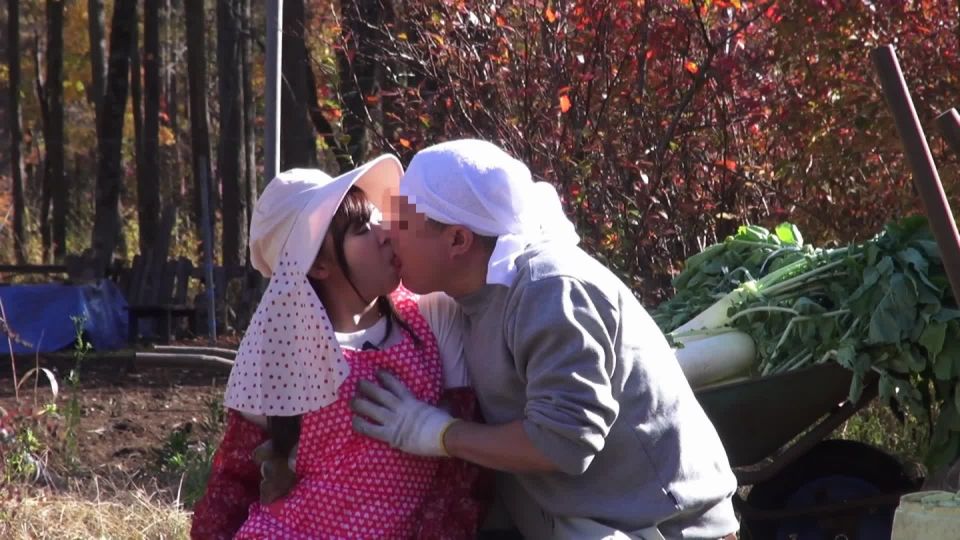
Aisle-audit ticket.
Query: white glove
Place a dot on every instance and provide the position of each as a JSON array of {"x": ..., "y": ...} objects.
[{"x": 399, "y": 418}]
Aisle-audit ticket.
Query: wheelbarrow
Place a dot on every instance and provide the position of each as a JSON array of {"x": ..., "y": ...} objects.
[{"x": 802, "y": 485}]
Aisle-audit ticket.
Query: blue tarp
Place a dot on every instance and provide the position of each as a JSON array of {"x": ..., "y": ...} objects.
[{"x": 35, "y": 311}]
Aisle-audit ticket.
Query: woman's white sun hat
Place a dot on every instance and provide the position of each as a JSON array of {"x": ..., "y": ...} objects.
[{"x": 289, "y": 362}]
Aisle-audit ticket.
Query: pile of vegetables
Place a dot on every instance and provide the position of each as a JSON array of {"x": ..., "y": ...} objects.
[{"x": 762, "y": 303}]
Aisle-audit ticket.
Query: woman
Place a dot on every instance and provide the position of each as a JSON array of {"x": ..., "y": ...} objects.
[{"x": 332, "y": 315}]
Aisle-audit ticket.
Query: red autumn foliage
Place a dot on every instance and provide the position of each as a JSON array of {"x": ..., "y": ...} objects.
[{"x": 678, "y": 121}]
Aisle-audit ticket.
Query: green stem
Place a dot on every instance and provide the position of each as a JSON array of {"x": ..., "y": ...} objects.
[
  {"x": 792, "y": 286},
  {"x": 794, "y": 362},
  {"x": 801, "y": 318},
  {"x": 704, "y": 332},
  {"x": 762, "y": 309},
  {"x": 751, "y": 243},
  {"x": 771, "y": 283}
]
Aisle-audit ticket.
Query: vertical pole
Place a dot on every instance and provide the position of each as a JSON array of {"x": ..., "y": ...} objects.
[
  {"x": 207, "y": 251},
  {"x": 925, "y": 174},
  {"x": 273, "y": 75}
]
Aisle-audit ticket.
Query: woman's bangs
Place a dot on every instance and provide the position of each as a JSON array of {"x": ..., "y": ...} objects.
[{"x": 354, "y": 211}]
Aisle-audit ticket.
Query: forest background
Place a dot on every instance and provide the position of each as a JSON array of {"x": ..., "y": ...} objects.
[{"x": 664, "y": 125}]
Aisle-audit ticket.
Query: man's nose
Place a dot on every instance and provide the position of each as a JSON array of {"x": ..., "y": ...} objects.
[{"x": 389, "y": 229}]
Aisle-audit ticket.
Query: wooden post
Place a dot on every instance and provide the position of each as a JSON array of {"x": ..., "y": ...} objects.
[
  {"x": 207, "y": 251},
  {"x": 921, "y": 161}
]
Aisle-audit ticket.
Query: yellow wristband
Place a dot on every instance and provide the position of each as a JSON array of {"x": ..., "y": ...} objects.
[{"x": 443, "y": 434}]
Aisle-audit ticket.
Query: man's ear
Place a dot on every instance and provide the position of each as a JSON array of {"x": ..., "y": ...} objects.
[{"x": 460, "y": 239}]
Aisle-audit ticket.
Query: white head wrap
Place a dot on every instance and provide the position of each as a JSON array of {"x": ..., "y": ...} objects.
[
  {"x": 289, "y": 361},
  {"x": 476, "y": 184}
]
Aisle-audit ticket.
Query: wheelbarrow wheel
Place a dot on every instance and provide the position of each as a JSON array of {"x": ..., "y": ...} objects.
[{"x": 832, "y": 473}]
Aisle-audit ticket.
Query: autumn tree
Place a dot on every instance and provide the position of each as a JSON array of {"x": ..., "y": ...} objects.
[
  {"x": 231, "y": 156},
  {"x": 665, "y": 125},
  {"x": 106, "y": 228},
  {"x": 148, "y": 182},
  {"x": 199, "y": 122},
  {"x": 298, "y": 146},
  {"x": 50, "y": 90},
  {"x": 13, "y": 108}
]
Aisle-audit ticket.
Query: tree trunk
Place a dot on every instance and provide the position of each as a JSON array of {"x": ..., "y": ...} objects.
[
  {"x": 360, "y": 73},
  {"x": 136, "y": 103},
  {"x": 96, "y": 28},
  {"x": 171, "y": 155},
  {"x": 199, "y": 130},
  {"x": 45, "y": 194},
  {"x": 298, "y": 146},
  {"x": 106, "y": 226},
  {"x": 230, "y": 154},
  {"x": 136, "y": 97},
  {"x": 148, "y": 187},
  {"x": 249, "y": 111},
  {"x": 53, "y": 137},
  {"x": 16, "y": 134}
]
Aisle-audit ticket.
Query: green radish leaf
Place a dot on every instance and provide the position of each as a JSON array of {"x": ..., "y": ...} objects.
[
  {"x": 788, "y": 233},
  {"x": 887, "y": 389},
  {"x": 947, "y": 314},
  {"x": 914, "y": 362},
  {"x": 883, "y": 324},
  {"x": 929, "y": 248},
  {"x": 885, "y": 266},
  {"x": 932, "y": 339},
  {"x": 846, "y": 355}
]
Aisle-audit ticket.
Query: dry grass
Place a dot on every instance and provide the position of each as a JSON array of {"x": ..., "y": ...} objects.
[{"x": 87, "y": 511}]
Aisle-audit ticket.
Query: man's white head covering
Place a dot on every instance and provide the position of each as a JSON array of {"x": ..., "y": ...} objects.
[
  {"x": 289, "y": 361},
  {"x": 476, "y": 184}
]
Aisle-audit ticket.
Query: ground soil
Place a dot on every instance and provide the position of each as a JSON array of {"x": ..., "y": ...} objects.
[{"x": 127, "y": 413}]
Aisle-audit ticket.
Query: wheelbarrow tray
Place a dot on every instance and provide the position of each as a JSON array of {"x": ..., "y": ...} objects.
[{"x": 758, "y": 416}]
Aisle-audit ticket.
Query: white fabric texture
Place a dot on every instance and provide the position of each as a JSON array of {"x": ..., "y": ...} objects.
[
  {"x": 476, "y": 184},
  {"x": 445, "y": 319},
  {"x": 374, "y": 335},
  {"x": 289, "y": 361}
]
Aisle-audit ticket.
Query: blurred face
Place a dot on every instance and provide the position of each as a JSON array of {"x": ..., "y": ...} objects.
[{"x": 421, "y": 254}]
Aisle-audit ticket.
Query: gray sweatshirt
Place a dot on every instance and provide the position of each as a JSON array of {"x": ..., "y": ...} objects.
[{"x": 570, "y": 351}]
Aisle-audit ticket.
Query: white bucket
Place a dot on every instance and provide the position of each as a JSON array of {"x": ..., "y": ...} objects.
[{"x": 927, "y": 515}]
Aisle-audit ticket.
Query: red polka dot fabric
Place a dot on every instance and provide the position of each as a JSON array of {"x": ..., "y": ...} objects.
[
  {"x": 289, "y": 361},
  {"x": 351, "y": 486},
  {"x": 233, "y": 484},
  {"x": 453, "y": 510}
]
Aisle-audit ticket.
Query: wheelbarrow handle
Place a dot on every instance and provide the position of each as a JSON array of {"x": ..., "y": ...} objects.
[{"x": 921, "y": 161}]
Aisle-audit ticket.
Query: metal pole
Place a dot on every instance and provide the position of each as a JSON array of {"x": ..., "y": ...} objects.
[
  {"x": 207, "y": 251},
  {"x": 271, "y": 164},
  {"x": 949, "y": 125},
  {"x": 921, "y": 161}
]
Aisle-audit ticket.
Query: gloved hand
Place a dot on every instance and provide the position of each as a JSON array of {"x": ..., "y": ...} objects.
[{"x": 399, "y": 418}]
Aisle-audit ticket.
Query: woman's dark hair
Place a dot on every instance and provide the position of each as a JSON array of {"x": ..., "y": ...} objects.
[{"x": 355, "y": 212}]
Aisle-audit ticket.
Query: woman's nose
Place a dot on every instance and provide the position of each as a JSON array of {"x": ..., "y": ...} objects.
[{"x": 381, "y": 233}]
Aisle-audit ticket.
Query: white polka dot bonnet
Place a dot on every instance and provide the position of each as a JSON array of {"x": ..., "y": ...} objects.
[
  {"x": 476, "y": 184},
  {"x": 289, "y": 361}
]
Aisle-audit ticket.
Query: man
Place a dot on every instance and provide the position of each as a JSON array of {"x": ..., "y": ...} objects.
[{"x": 588, "y": 414}]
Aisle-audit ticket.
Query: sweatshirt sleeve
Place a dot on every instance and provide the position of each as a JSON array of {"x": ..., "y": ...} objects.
[{"x": 561, "y": 332}]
